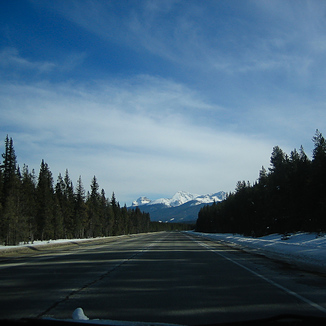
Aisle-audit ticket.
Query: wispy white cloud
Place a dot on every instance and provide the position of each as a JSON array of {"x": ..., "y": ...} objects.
[
  {"x": 278, "y": 37},
  {"x": 10, "y": 58},
  {"x": 260, "y": 41},
  {"x": 114, "y": 133},
  {"x": 234, "y": 82},
  {"x": 12, "y": 61}
]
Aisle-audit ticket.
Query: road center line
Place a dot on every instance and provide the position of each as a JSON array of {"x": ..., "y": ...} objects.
[
  {"x": 288, "y": 291},
  {"x": 103, "y": 275}
]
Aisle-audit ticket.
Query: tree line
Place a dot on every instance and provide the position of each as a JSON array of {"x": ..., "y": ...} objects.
[
  {"x": 35, "y": 208},
  {"x": 290, "y": 196}
]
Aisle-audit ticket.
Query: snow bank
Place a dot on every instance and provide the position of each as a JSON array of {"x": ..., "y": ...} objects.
[
  {"x": 305, "y": 250},
  {"x": 44, "y": 242},
  {"x": 30, "y": 247}
]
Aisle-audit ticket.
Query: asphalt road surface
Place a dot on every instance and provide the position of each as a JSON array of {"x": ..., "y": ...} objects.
[{"x": 164, "y": 277}]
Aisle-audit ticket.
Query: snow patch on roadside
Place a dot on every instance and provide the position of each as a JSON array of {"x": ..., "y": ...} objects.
[
  {"x": 45, "y": 242},
  {"x": 305, "y": 250}
]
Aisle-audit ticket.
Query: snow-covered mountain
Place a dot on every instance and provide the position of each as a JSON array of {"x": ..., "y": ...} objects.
[
  {"x": 180, "y": 198},
  {"x": 182, "y": 207},
  {"x": 141, "y": 201}
]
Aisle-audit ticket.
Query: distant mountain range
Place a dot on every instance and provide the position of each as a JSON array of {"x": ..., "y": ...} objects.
[{"x": 182, "y": 207}]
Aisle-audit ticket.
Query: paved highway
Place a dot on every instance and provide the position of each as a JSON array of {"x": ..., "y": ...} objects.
[{"x": 164, "y": 277}]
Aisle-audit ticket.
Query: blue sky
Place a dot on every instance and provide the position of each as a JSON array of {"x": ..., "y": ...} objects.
[{"x": 153, "y": 97}]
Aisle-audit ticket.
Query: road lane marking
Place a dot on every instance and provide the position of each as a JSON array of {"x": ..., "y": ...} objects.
[
  {"x": 281, "y": 287},
  {"x": 31, "y": 260},
  {"x": 135, "y": 254}
]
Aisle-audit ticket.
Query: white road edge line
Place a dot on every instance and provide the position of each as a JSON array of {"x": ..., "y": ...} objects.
[{"x": 298, "y": 296}]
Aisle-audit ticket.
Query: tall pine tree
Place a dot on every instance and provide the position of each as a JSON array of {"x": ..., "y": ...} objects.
[
  {"x": 319, "y": 179},
  {"x": 45, "y": 203},
  {"x": 9, "y": 167},
  {"x": 10, "y": 195},
  {"x": 28, "y": 202},
  {"x": 93, "y": 205}
]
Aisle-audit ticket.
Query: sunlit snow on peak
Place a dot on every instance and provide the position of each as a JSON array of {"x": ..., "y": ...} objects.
[{"x": 180, "y": 198}]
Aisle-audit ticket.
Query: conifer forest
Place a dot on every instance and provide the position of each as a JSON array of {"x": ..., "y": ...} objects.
[
  {"x": 290, "y": 196},
  {"x": 34, "y": 208}
]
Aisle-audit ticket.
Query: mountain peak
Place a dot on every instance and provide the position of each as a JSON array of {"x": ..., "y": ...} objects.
[
  {"x": 141, "y": 201},
  {"x": 182, "y": 207},
  {"x": 180, "y": 198}
]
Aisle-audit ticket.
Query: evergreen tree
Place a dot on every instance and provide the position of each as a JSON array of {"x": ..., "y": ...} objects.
[
  {"x": 58, "y": 220},
  {"x": 80, "y": 210},
  {"x": 69, "y": 206},
  {"x": 110, "y": 218},
  {"x": 28, "y": 202},
  {"x": 291, "y": 197},
  {"x": 45, "y": 203},
  {"x": 59, "y": 208},
  {"x": 65, "y": 211},
  {"x": 93, "y": 204},
  {"x": 106, "y": 215},
  {"x": 319, "y": 151},
  {"x": 124, "y": 220},
  {"x": 9, "y": 223},
  {"x": 116, "y": 215},
  {"x": 278, "y": 189},
  {"x": 10, "y": 195},
  {"x": 31, "y": 208},
  {"x": 319, "y": 180},
  {"x": 298, "y": 176},
  {"x": 8, "y": 168},
  {"x": 263, "y": 176}
]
